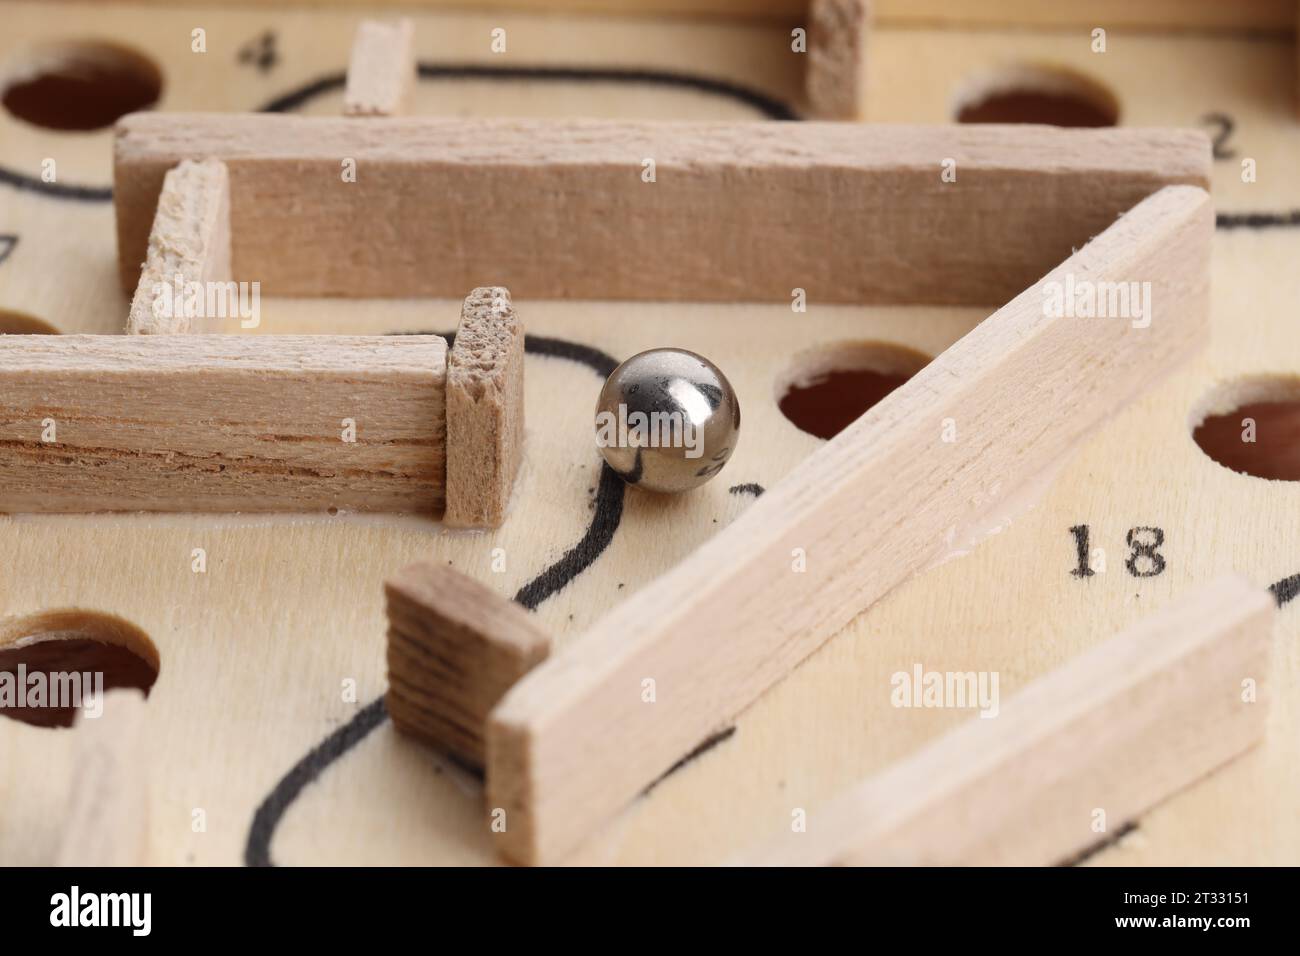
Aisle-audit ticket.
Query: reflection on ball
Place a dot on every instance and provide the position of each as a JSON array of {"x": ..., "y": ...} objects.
[{"x": 667, "y": 420}]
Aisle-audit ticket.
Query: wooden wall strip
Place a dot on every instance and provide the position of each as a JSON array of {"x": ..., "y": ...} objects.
[
  {"x": 221, "y": 423},
  {"x": 737, "y": 212},
  {"x": 1157, "y": 15}
]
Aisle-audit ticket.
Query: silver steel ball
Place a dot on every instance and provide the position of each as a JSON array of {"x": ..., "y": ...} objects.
[{"x": 667, "y": 420}]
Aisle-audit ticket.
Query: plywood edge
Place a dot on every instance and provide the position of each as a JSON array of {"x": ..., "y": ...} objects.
[
  {"x": 189, "y": 243},
  {"x": 214, "y": 423},
  {"x": 485, "y": 410}
]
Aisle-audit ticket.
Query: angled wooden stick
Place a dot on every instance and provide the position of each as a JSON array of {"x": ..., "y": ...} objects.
[
  {"x": 222, "y": 423},
  {"x": 846, "y": 212},
  {"x": 574, "y": 741},
  {"x": 189, "y": 242},
  {"x": 381, "y": 70},
  {"x": 1117, "y": 730}
]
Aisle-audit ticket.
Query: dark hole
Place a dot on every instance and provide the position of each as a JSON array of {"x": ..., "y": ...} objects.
[
  {"x": 83, "y": 86},
  {"x": 19, "y": 323},
  {"x": 827, "y": 404},
  {"x": 1275, "y": 452},
  {"x": 1029, "y": 106},
  {"x": 63, "y": 652}
]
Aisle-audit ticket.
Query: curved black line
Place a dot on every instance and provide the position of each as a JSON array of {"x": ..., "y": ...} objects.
[
  {"x": 769, "y": 106},
  {"x": 604, "y": 522},
  {"x": 1104, "y": 843},
  {"x": 8, "y": 243},
  {"x": 1257, "y": 220},
  {"x": 608, "y": 516},
  {"x": 304, "y": 94},
  {"x": 22, "y": 181},
  {"x": 257, "y": 851}
]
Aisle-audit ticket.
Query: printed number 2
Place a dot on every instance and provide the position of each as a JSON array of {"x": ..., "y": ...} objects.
[{"x": 1144, "y": 561}]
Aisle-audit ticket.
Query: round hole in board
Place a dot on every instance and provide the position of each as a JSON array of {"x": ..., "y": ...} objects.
[
  {"x": 57, "y": 664},
  {"x": 84, "y": 85},
  {"x": 1252, "y": 426},
  {"x": 20, "y": 323},
  {"x": 1050, "y": 96},
  {"x": 826, "y": 389}
]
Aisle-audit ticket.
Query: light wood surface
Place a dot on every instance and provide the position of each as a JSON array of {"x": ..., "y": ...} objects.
[
  {"x": 1162, "y": 15},
  {"x": 257, "y": 651},
  {"x": 1079, "y": 753},
  {"x": 106, "y": 821}
]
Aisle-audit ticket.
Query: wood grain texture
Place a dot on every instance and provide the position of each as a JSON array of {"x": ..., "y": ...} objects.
[
  {"x": 221, "y": 423},
  {"x": 381, "y": 70},
  {"x": 106, "y": 821},
  {"x": 837, "y": 54},
  {"x": 737, "y": 211},
  {"x": 188, "y": 242},
  {"x": 1117, "y": 730},
  {"x": 485, "y": 410},
  {"x": 574, "y": 742},
  {"x": 454, "y": 648}
]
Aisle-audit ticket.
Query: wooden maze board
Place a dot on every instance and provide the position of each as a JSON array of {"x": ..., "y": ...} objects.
[{"x": 248, "y": 721}]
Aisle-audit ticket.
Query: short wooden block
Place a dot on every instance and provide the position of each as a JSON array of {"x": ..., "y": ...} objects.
[
  {"x": 837, "y": 58},
  {"x": 1119, "y": 729},
  {"x": 222, "y": 423},
  {"x": 573, "y": 743},
  {"x": 189, "y": 241},
  {"x": 454, "y": 647},
  {"x": 485, "y": 410},
  {"x": 746, "y": 212},
  {"x": 381, "y": 70}
]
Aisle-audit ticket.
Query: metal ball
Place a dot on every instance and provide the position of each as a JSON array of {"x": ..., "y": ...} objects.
[{"x": 667, "y": 420}]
